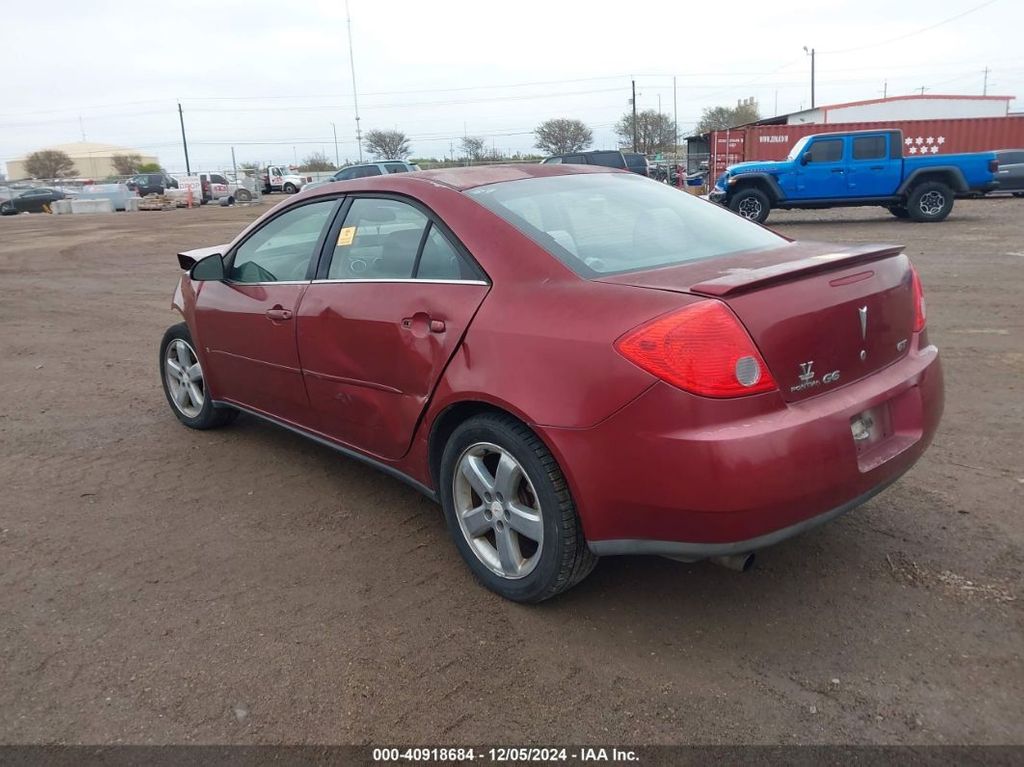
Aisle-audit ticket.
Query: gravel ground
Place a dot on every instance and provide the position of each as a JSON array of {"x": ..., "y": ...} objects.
[{"x": 159, "y": 585}]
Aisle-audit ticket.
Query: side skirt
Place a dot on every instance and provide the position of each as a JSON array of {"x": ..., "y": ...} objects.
[{"x": 347, "y": 452}]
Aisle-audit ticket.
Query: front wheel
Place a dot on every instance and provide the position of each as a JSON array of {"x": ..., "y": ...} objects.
[
  {"x": 752, "y": 204},
  {"x": 243, "y": 195},
  {"x": 184, "y": 382},
  {"x": 930, "y": 201},
  {"x": 289, "y": 188},
  {"x": 509, "y": 510}
]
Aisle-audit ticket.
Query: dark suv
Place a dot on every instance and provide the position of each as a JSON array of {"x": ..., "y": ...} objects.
[
  {"x": 610, "y": 158},
  {"x": 1011, "y": 171},
  {"x": 151, "y": 183}
]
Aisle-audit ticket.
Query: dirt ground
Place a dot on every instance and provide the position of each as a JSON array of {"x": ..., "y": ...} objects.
[{"x": 159, "y": 585}]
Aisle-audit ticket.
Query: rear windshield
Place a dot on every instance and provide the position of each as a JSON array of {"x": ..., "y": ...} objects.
[{"x": 609, "y": 223}]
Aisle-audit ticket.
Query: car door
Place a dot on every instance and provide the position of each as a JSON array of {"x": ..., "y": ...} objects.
[
  {"x": 869, "y": 171},
  {"x": 34, "y": 201},
  {"x": 246, "y": 324},
  {"x": 393, "y": 297},
  {"x": 822, "y": 170}
]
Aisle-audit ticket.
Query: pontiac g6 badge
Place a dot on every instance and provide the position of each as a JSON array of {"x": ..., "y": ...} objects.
[{"x": 807, "y": 379}]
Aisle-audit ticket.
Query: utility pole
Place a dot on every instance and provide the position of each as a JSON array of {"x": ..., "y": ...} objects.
[
  {"x": 633, "y": 101},
  {"x": 355, "y": 97},
  {"x": 922, "y": 89},
  {"x": 337, "y": 162},
  {"x": 675, "y": 122},
  {"x": 234, "y": 165},
  {"x": 810, "y": 52},
  {"x": 984, "y": 88},
  {"x": 885, "y": 89},
  {"x": 81, "y": 126},
  {"x": 184, "y": 142}
]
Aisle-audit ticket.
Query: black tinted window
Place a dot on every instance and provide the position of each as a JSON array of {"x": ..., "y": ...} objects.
[
  {"x": 868, "y": 147},
  {"x": 1010, "y": 158},
  {"x": 368, "y": 170},
  {"x": 829, "y": 150},
  {"x": 608, "y": 159}
]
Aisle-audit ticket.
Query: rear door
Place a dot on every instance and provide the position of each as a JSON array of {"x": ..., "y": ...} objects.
[
  {"x": 246, "y": 324},
  {"x": 393, "y": 297},
  {"x": 869, "y": 171},
  {"x": 824, "y": 174}
]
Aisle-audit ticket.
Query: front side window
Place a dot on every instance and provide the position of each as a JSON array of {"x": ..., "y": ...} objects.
[
  {"x": 366, "y": 171},
  {"x": 828, "y": 150},
  {"x": 610, "y": 223},
  {"x": 281, "y": 250}
]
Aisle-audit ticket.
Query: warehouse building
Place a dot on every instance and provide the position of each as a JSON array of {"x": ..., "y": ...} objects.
[
  {"x": 91, "y": 160},
  {"x": 926, "y": 107}
]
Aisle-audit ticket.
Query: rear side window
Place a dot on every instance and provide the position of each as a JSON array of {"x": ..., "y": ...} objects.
[
  {"x": 608, "y": 159},
  {"x": 828, "y": 150},
  {"x": 610, "y": 223},
  {"x": 395, "y": 167},
  {"x": 868, "y": 147},
  {"x": 366, "y": 171}
]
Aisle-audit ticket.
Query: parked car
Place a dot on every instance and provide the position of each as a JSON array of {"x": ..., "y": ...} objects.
[
  {"x": 574, "y": 361},
  {"x": 36, "y": 200},
  {"x": 607, "y": 158},
  {"x": 637, "y": 163},
  {"x": 366, "y": 170},
  {"x": 828, "y": 170},
  {"x": 1011, "y": 171},
  {"x": 151, "y": 183}
]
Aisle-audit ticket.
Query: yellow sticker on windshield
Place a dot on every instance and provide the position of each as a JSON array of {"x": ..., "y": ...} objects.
[{"x": 346, "y": 235}]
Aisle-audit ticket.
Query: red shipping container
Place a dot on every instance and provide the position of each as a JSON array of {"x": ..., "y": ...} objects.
[{"x": 773, "y": 142}]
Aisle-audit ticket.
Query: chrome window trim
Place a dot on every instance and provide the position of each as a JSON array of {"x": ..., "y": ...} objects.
[
  {"x": 281, "y": 282},
  {"x": 404, "y": 279}
]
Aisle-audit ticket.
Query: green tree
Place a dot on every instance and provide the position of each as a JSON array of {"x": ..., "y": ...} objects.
[
  {"x": 50, "y": 163},
  {"x": 562, "y": 136},
  {"x": 150, "y": 167},
  {"x": 721, "y": 118},
  {"x": 387, "y": 144},
  {"x": 655, "y": 132}
]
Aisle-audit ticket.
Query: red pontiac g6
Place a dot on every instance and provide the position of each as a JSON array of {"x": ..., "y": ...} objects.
[{"x": 574, "y": 361}]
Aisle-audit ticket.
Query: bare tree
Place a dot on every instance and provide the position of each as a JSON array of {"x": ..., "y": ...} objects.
[
  {"x": 562, "y": 135},
  {"x": 474, "y": 147},
  {"x": 720, "y": 118},
  {"x": 655, "y": 132},
  {"x": 50, "y": 163},
  {"x": 126, "y": 164},
  {"x": 316, "y": 162},
  {"x": 387, "y": 144}
]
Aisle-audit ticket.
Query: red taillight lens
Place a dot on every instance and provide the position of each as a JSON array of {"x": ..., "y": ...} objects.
[
  {"x": 919, "y": 314},
  {"x": 702, "y": 349},
  {"x": 993, "y": 166}
]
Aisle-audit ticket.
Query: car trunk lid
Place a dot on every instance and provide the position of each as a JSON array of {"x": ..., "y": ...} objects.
[{"x": 821, "y": 316}]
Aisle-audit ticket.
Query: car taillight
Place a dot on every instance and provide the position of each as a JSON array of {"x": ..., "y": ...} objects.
[
  {"x": 701, "y": 348},
  {"x": 919, "y": 313},
  {"x": 993, "y": 166}
]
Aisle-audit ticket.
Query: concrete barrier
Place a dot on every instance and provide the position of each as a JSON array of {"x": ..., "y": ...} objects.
[
  {"x": 61, "y": 207},
  {"x": 92, "y": 206},
  {"x": 131, "y": 205}
]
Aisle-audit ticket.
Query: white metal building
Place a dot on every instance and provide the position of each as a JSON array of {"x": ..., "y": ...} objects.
[{"x": 927, "y": 107}]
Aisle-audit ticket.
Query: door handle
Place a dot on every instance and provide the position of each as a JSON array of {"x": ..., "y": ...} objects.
[
  {"x": 437, "y": 326},
  {"x": 278, "y": 314},
  {"x": 421, "y": 322}
]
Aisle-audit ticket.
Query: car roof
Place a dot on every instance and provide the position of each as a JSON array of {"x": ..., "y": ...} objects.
[{"x": 482, "y": 175}]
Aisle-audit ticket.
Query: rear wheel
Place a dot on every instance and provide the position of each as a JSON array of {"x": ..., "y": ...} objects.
[
  {"x": 899, "y": 211},
  {"x": 509, "y": 510},
  {"x": 930, "y": 201},
  {"x": 184, "y": 382},
  {"x": 751, "y": 203}
]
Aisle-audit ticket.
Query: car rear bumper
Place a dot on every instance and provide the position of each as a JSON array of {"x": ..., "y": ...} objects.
[{"x": 691, "y": 477}]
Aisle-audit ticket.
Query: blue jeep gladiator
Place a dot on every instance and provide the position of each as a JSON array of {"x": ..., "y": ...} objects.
[{"x": 830, "y": 170}]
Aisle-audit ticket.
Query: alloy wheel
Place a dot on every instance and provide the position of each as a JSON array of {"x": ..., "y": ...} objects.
[
  {"x": 750, "y": 208},
  {"x": 498, "y": 510},
  {"x": 184, "y": 377},
  {"x": 931, "y": 203}
]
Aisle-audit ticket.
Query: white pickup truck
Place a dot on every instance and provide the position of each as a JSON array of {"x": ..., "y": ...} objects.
[{"x": 278, "y": 178}]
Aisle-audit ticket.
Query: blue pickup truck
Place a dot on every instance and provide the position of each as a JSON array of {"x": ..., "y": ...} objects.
[{"x": 830, "y": 170}]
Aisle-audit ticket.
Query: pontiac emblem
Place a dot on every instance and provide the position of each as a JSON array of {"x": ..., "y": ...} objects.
[{"x": 806, "y": 372}]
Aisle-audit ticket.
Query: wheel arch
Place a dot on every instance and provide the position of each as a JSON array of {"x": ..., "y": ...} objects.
[
  {"x": 762, "y": 182},
  {"x": 950, "y": 175}
]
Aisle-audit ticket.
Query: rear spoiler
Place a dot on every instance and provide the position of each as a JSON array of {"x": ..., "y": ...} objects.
[{"x": 742, "y": 280}]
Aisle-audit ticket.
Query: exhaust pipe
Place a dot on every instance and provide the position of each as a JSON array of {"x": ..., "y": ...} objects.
[{"x": 738, "y": 562}]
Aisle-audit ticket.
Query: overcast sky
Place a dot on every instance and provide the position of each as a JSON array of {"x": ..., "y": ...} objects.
[{"x": 269, "y": 78}]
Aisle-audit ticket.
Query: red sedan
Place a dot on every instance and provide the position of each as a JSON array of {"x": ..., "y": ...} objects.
[{"x": 573, "y": 361}]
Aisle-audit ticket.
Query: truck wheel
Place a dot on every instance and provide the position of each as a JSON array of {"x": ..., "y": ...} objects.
[
  {"x": 899, "y": 211},
  {"x": 243, "y": 195},
  {"x": 289, "y": 188},
  {"x": 930, "y": 201},
  {"x": 751, "y": 203}
]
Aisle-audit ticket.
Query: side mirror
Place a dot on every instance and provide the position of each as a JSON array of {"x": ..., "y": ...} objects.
[
  {"x": 208, "y": 269},
  {"x": 805, "y": 158}
]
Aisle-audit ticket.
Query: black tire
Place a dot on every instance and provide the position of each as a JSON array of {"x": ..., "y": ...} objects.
[
  {"x": 289, "y": 188},
  {"x": 243, "y": 195},
  {"x": 899, "y": 211},
  {"x": 208, "y": 416},
  {"x": 929, "y": 201},
  {"x": 564, "y": 559},
  {"x": 752, "y": 204},
  {"x": 1018, "y": 194}
]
